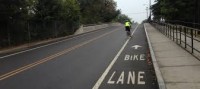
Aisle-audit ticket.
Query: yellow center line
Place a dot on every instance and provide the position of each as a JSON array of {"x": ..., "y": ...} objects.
[{"x": 51, "y": 57}]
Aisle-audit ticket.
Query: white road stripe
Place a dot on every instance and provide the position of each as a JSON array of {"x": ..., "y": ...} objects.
[
  {"x": 9, "y": 55},
  {"x": 100, "y": 80}
]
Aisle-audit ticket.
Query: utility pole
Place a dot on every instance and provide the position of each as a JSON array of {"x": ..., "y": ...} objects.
[
  {"x": 149, "y": 9},
  {"x": 147, "y": 13}
]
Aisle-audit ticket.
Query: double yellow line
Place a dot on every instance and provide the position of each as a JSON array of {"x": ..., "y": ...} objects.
[{"x": 51, "y": 57}]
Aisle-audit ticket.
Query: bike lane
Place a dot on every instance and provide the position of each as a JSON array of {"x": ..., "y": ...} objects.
[{"x": 133, "y": 69}]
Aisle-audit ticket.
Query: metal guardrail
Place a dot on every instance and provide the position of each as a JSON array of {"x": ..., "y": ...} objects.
[{"x": 186, "y": 37}]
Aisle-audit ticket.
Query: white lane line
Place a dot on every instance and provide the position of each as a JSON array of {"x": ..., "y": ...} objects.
[
  {"x": 100, "y": 80},
  {"x": 9, "y": 55},
  {"x": 34, "y": 48}
]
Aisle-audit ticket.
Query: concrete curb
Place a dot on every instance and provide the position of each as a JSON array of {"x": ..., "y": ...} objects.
[
  {"x": 30, "y": 45},
  {"x": 160, "y": 80}
]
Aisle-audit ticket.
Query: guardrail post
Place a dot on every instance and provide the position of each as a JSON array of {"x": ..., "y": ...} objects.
[
  {"x": 192, "y": 38},
  {"x": 170, "y": 30},
  {"x": 185, "y": 33},
  {"x": 161, "y": 27},
  {"x": 196, "y": 33},
  {"x": 165, "y": 29},
  {"x": 176, "y": 34},
  {"x": 173, "y": 31},
  {"x": 180, "y": 34}
]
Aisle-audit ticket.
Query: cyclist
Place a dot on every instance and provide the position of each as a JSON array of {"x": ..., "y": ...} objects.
[{"x": 128, "y": 27}]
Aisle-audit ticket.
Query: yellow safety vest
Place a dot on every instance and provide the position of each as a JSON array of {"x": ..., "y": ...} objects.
[{"x": 127, "y": 24}]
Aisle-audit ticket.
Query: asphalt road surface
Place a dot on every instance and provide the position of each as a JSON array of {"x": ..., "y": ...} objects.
[{"x": 104, "y": 59}]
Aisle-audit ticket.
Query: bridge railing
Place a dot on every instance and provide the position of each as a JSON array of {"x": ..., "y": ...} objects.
[{"x": 186, "y": 37}]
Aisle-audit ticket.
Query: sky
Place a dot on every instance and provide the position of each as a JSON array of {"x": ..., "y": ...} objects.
[{"x": 135, "y": 9}]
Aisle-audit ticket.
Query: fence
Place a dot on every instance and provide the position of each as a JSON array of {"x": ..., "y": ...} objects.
[
  {"x": 186, "y": 37},
  {"x": 20, "y": 32}
]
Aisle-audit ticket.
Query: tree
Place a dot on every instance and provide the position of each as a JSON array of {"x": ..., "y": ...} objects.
[
  {"x": 97, "y": 11},
  {"x": 14, "y": 14},
  {"x": 122, "y": 18},
  {"x": 57, "y": 10},
  {"x": 51, "y": 14},
  {"x": 29, "y": 20},
  {"x": 177, "y": 11}
]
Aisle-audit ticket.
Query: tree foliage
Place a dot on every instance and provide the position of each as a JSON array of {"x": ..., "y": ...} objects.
[
  {"x": 97, "y": 11},
  {"x": 122, "y": 18},
  {"x": 177, "y": 10},
  {"x": 14, "y": 14},
  {"x": 29, "y": 20},
  {"x": 57, "y": 10}
]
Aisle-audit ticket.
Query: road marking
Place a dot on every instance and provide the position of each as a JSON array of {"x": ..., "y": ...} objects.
[
  {"x": 110, "y": 79},
  {"x": 130, "y": 77},
  {"x": 136, "y": 47},
  {"x": 140, "y": 77},
  {"x": 139, "y": 57},
  {"x": 121, "y": 78},
  {"x": 100, "y": 80},
  {"x": 51, "y": 57},
  {"x": 9, "y": 55}
]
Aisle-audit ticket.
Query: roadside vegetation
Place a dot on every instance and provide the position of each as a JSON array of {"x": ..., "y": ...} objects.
[
  {"x": 184, "y": 12},
  {"x": 25, "y": 21}
]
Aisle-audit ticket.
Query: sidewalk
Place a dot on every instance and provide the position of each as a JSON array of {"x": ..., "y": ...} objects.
[
  {"x": 177, "y": 36},
  {"x": 179, "y": 69}
]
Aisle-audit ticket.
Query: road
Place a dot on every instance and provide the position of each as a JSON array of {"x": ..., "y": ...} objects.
[{"x": 104, "y": 59}]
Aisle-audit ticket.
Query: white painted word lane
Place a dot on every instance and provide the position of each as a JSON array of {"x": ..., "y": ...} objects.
[{"x": 128, "y": 78}]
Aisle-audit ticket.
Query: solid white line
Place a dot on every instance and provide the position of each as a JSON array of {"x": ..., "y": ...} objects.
[
  {"x": 9, "y": 55},
  {"x": 160, "y": 80},
  {"x": 100, "y": 80},
  {"x": 32, "y": 49}
]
